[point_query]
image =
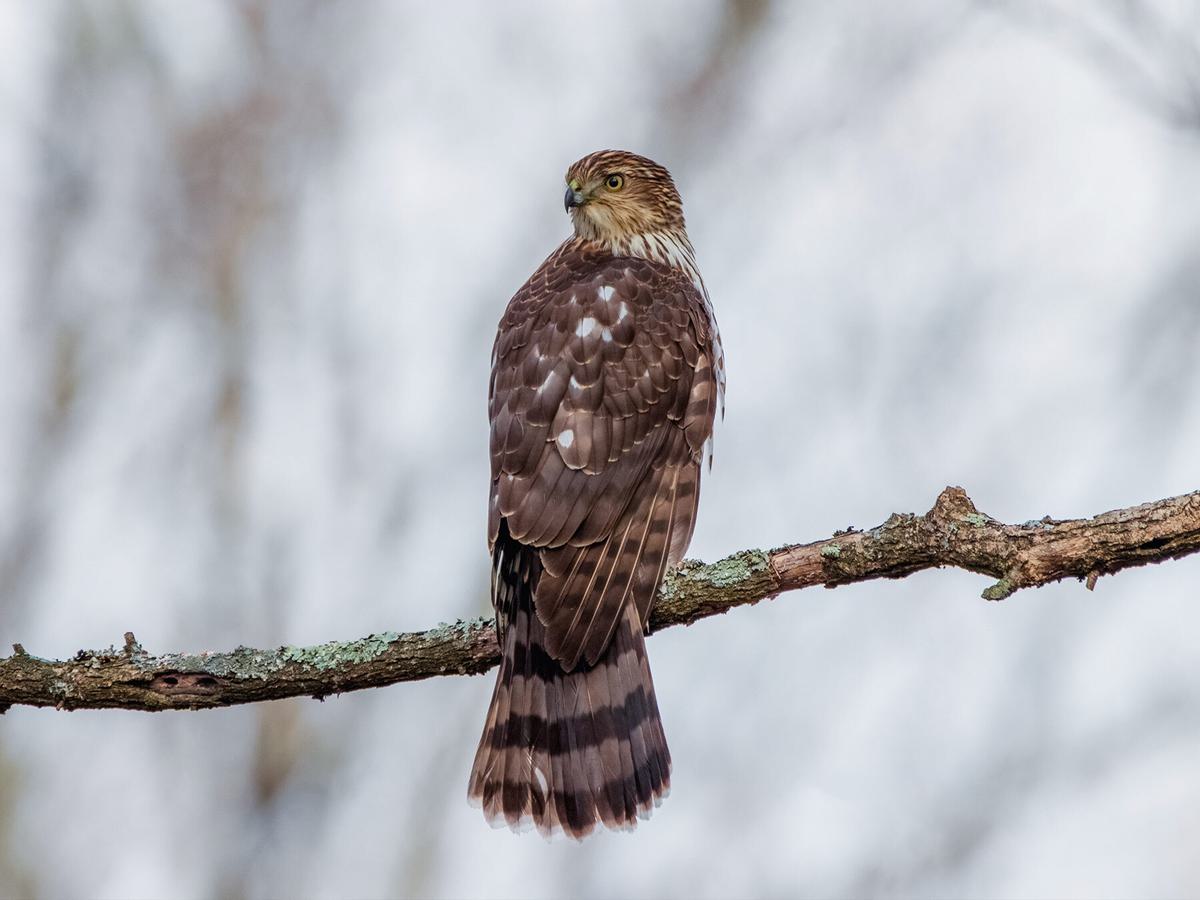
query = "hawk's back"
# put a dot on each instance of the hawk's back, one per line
(604, 388)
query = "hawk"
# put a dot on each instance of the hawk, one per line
(607, 372)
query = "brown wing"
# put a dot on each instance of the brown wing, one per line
(602, 397)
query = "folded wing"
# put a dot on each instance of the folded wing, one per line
(603, 395)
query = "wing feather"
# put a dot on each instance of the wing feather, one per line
(602, 397)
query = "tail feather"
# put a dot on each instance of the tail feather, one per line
(565, 751)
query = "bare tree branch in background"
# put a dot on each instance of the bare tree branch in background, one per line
(1147, 52)
(953, 533)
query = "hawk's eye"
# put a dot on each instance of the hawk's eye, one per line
(614, 182)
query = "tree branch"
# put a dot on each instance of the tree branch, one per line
(953, 533)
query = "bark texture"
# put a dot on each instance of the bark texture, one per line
(953, 533)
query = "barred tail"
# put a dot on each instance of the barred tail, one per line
(562, 751)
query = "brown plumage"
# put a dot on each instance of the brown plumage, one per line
(607, 373)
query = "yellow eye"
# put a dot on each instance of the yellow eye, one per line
(614, 182)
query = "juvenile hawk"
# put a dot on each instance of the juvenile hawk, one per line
(606, 376)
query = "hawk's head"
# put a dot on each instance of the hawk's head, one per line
(614, 195)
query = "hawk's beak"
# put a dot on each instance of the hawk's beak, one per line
(574, 197)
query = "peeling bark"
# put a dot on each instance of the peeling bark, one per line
(954, 533)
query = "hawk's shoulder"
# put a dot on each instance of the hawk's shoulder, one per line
(581, 282)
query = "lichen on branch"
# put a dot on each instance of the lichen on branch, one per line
(953, 533)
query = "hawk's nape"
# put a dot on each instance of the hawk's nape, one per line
(606, 378)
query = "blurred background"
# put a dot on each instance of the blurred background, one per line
(252, 256)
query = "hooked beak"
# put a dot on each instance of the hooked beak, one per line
(573, 198)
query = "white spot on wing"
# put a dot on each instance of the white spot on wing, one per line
(585, 327)
(605, 292)
(622, 312)
(567, 438)
(606, 335)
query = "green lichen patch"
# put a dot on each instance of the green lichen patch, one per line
(241, 664)
(831, 551)
(696, 589)
(1000, 590)
(460, 629)
(730, 571)
(324, 657)
(976, 519)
